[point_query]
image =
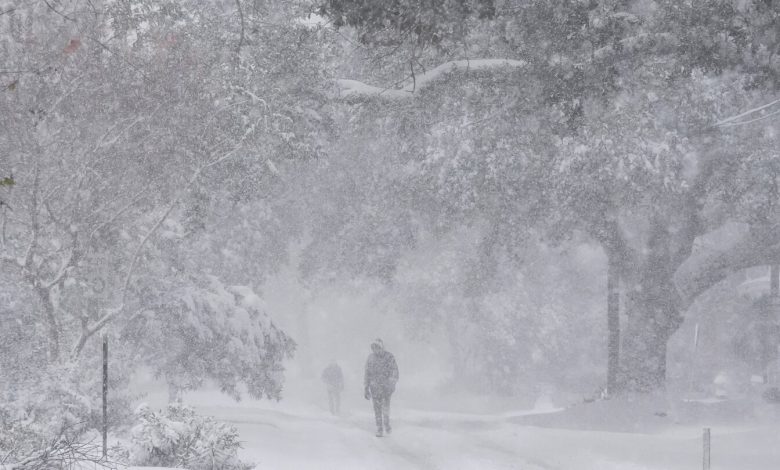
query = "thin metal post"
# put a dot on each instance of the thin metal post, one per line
(105, 396)
(706, 441)
(774, 320)
(613, 326)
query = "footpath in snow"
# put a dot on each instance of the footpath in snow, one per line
(290, 435)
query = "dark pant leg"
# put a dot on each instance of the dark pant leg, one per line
(332, 401)
(378, 401)
(337, 401)
(386, 411)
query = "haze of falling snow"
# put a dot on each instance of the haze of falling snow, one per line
(389, 234)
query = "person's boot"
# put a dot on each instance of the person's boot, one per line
(379, 432)
(388, 429)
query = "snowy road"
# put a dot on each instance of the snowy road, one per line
(310, 439)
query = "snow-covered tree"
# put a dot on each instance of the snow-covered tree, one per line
(125, 124)
(607, 120)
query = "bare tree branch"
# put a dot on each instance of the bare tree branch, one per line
(134, 200)
(49, 5)
(353, 88)
(241, 38)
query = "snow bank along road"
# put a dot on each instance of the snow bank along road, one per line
(310, 439)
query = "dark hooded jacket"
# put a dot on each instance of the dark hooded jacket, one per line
(381, 373)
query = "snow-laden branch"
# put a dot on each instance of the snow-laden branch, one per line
(69, 262)
(134, 200)
(111, 313)
(750, 121)
(353, 88)
(711, 264)
(750, 115)
(89, 330)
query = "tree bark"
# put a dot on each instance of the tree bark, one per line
(174, 393)
(653, 313)
(652, 319)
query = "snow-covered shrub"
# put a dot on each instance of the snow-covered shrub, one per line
(70, 448)
(201, 329)
(54, 412)
(38, 408)
(178, 437)
(29, 440)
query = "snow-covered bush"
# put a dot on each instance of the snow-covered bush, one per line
(50, 414)
(24, 449)
(178, 437)
(201, 329)
(40, 407)
(33, 436)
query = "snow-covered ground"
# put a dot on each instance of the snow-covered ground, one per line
(295, 434)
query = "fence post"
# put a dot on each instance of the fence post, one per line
(706, 440)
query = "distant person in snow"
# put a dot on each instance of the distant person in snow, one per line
(381, 377)
(334, 382)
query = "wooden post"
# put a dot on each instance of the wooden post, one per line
(706, 442)
(105, 396)
(613, 327)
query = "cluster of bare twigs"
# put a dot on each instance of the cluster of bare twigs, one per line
(66, 450)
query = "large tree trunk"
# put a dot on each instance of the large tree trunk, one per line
(653, 309)
(664, 273)
(174, 393)
(653, 318)
(650, 325)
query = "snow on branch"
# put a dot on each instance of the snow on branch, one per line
(713, 262)
(110, 313)
(750, 116)
(353, 88)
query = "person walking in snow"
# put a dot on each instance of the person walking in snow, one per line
(380, 379)
(334, 382)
